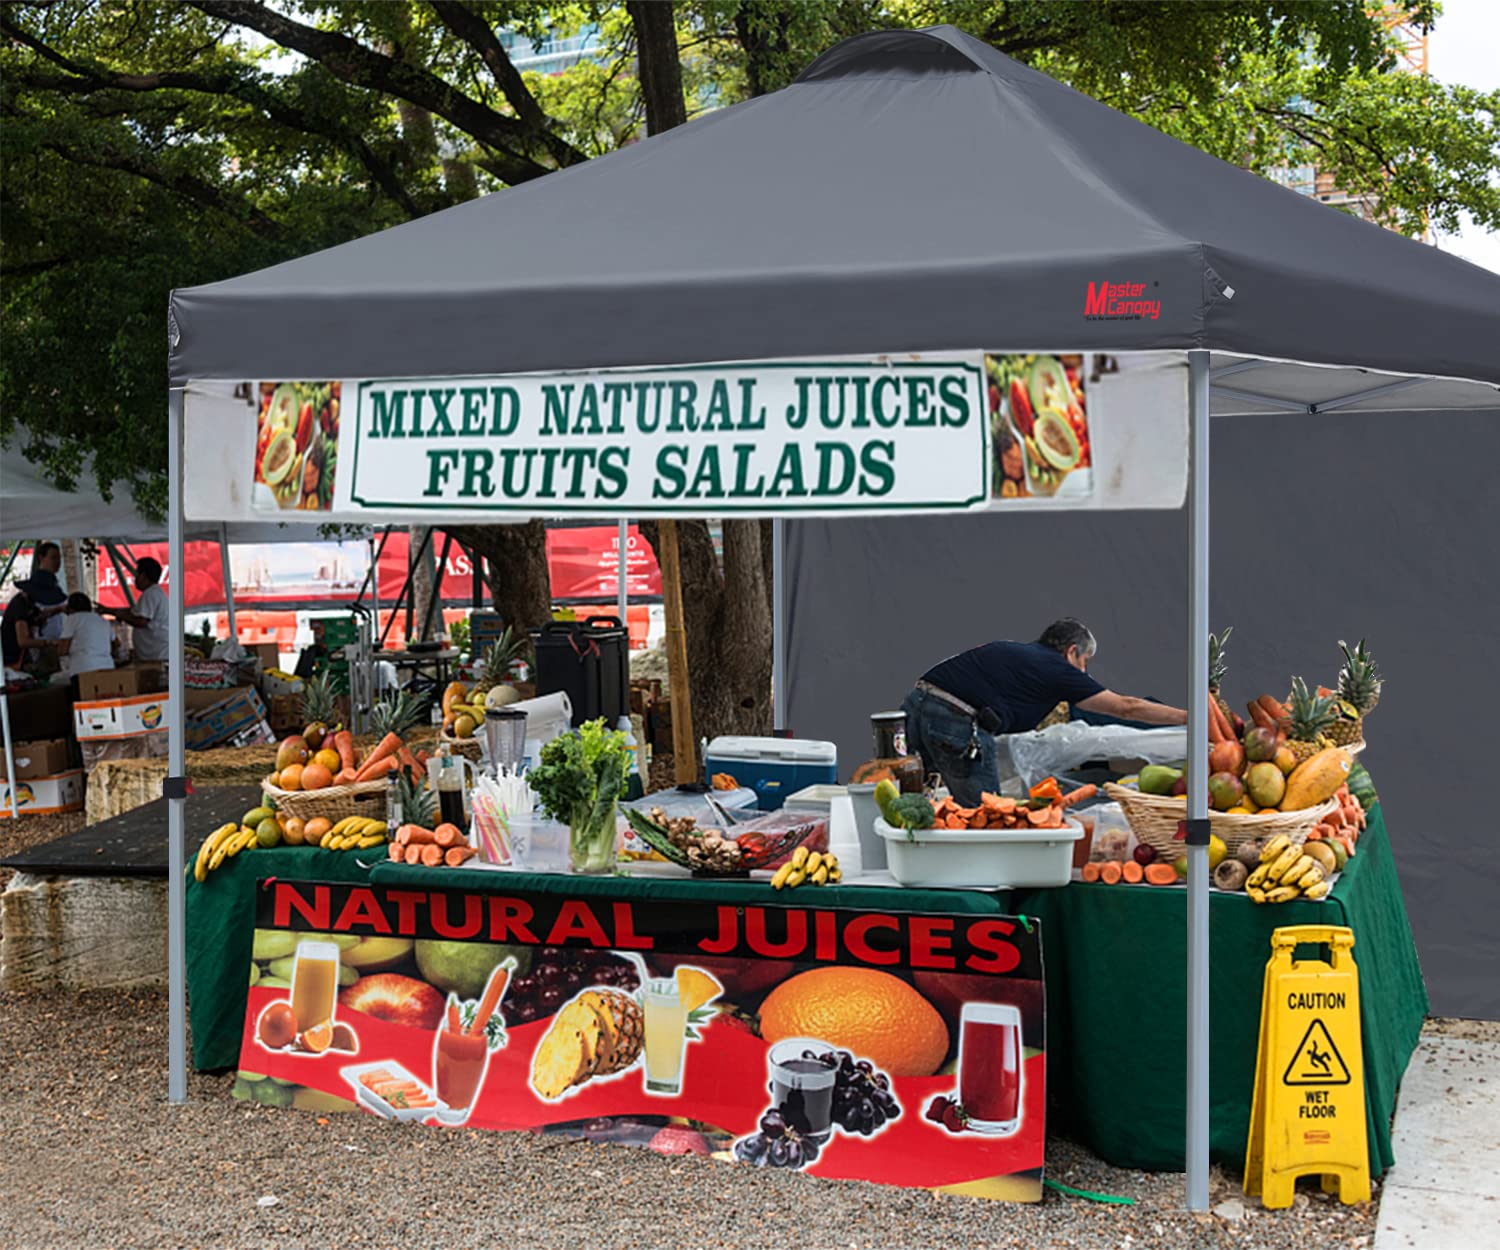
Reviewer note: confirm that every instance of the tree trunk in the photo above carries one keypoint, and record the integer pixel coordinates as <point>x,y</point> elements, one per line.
<point>425,583</point>
<point>657,63</point>
<point>520,585</point>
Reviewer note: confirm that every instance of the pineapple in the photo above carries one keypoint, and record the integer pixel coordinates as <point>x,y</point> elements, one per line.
<point>411,802</point>
<point>1358,693</point>
<point>1217,667</point>
<point>494,668</point>
<point>395,715</point>
<point>320,704</point>
<point>1312,715</point>
<point>626,1025</point>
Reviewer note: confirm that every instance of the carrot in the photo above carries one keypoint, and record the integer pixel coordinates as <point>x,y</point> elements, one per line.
<point>1109,872</point>
<point>457,854</point>
<point>1091,871</point>
<point>1160,874</point>
<point>387,747</point>
<point>1275,709</point>
<point>1260,716</point>
<point>377,770</point>
<point>495,987</point>
<point>415,835</point>
<point>408,760</point>
<point>344,777</point>
<point>447,835</point>
<point>1216,731</point>
<point>343,743</point>
<point>397,852</point>
<point>432,856</point>
<point>1077,796</point>
<point>1132,873</point>
<point>453,1022</point>
<point>1216,713</point>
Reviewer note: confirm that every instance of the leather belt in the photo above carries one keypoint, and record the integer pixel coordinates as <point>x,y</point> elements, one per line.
<point>937,692</point>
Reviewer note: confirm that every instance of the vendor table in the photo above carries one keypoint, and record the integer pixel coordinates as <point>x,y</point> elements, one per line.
<point>1116,1002</point>
<point>432,664</point>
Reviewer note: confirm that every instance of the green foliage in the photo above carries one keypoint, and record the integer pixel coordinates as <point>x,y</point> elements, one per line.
<point>581,774</point>
<point>147,146</point>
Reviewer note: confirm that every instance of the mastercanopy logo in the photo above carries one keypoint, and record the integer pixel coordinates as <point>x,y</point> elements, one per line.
<point>1121,301</point>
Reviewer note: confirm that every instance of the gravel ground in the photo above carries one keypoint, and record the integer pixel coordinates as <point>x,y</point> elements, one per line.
<point>29,831</point>
<point>91,1155</point>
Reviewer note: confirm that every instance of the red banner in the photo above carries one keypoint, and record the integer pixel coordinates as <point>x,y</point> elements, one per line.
<point>892,1047</point>
<point>584,563</point>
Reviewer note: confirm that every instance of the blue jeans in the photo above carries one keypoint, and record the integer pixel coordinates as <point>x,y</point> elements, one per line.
<point>950,743</point>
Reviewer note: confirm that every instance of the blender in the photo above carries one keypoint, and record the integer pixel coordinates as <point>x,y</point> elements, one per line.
<point>504,740</point>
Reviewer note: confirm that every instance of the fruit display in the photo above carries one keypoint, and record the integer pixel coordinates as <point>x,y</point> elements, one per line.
<point>263,829</point>
<point>758,843</point>
<point>464,706</point>
<point>296,448</point>
<point>1043,808</point>
<point>1285,872</point>
<point>808,868</point>
<point>1358,692</point>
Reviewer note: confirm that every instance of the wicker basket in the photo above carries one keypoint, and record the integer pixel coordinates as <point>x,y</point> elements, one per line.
<point>363,798</point>
<point>1154,820</point>
<point>469,748</point>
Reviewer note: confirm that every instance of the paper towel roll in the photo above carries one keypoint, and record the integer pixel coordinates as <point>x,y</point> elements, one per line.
<point>545,709</point>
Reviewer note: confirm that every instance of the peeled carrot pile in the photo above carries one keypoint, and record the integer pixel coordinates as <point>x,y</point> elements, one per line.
<point>997,811</point>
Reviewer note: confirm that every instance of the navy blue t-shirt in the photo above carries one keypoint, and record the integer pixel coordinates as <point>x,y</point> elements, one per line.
<point>1020,681</point>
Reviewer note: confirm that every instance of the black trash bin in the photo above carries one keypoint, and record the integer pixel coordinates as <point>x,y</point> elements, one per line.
<point>589,661</point>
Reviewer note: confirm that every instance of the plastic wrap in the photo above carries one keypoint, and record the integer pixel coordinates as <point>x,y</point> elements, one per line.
<point>1050,751</point>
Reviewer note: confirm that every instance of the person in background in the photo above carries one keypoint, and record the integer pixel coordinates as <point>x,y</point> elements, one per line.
<point>20,629</point>
<point>87,640</point>
<point>45,590</point>
<point>954,712</point>
<point>148,619</point>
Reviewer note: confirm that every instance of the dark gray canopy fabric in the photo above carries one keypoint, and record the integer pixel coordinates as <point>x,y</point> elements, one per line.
<point>912,190</point>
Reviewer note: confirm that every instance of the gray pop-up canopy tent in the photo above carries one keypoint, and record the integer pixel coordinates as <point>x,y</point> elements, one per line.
<point>910,191</point>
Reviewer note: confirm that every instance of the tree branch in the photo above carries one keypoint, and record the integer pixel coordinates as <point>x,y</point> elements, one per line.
<point>467,25</point>
<point>353,63</point>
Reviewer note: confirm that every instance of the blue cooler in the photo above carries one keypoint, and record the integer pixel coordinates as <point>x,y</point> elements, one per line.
<point>773,767</point>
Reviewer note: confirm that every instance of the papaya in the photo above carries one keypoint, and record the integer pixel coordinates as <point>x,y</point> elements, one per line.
<point>1317,779</point>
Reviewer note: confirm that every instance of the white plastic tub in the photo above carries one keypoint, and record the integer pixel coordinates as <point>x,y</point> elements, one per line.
<point>981,859</point>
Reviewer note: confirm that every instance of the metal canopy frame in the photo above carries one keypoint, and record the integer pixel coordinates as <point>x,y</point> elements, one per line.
<point>1393,384</point>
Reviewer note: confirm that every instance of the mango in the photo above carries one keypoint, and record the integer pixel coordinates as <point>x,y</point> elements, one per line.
<point>1159,779</point>
<point>1265,783</point>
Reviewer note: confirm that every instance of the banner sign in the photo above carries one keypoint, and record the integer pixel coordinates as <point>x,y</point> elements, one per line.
<point>906,434</point>
<point>901,1048</point>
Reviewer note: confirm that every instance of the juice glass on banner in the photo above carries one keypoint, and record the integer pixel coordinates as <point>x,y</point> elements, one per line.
<point>989,1067</point>
<point>802,1087</point>
<point>459,1062</point>
<point>666,1036</point>
<point>315,983</point>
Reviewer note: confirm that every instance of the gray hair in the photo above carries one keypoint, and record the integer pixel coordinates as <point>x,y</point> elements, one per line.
<point>1066,634</point>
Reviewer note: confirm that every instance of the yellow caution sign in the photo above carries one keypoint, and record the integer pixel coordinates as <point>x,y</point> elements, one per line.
<point>1308,1112</point>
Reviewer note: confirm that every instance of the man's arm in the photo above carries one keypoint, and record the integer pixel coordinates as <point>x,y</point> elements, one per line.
<point>1128,707</point>
<point>126,615</point>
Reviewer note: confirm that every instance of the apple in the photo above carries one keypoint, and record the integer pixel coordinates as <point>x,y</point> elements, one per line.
<point>464,968</point>
<point>1144,853</point>
<point>392,997</point>
<point>674,1140</point>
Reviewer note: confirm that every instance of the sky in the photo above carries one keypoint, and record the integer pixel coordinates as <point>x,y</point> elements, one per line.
<point>1464,48</point>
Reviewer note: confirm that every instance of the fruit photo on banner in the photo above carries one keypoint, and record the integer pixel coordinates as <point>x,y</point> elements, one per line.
<point>933,1079</point>
<point>296,446</point>
<point>1039,427</point>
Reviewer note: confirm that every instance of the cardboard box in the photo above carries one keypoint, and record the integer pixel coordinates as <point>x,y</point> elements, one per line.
<point>286,714</point>
<point>269,654</point>
<point>239,713</point>
<point>121,683</point>
<point>38,759</point>
<point>43,796</point>
<point>100,719</point>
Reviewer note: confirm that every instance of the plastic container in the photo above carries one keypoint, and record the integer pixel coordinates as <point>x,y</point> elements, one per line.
<point>589,661</point>
<point>871,845</point>
<point>981,859</point>
<point>690,801</point>
<point>843,834</point>
<point>540,844</point>
<point>773,767</point>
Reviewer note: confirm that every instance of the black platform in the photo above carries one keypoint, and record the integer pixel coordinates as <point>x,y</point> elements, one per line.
<point>134,843</point>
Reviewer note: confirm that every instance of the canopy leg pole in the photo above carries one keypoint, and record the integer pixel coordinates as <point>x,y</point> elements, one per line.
<point>11,802</point>
<point>778,625</point>
<point>622,593</point>
<point>176,789</point>
<point>684,749</point>
<point>234,629</point>
<point>1197,795</point>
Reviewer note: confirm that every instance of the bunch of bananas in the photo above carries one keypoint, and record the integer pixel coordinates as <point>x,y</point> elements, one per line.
<point>354,833</point>
<point>1285,873</point>
<point>223,843</point>
<point>808,867</point>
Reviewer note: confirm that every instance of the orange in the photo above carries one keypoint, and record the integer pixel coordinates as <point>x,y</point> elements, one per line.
<point>315,777</point>
<point>293,831</point>
<point>875,1015</point>
<point>695,987</point>
<point>318,1038</point>
<point>316,828</point>
<point>329,759</point>
<point>291,777</point>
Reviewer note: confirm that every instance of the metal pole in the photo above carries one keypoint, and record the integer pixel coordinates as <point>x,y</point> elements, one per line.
<point>9,561</point>
<point>176,788</point>
<point>234,629</point>
<point>114,559</point>
<point>10,759</point>
<point>778,627</point>
<point>1197,795</point>
<point>622,591</point>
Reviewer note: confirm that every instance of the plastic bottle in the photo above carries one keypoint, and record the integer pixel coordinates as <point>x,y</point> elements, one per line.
<point>633,787</point>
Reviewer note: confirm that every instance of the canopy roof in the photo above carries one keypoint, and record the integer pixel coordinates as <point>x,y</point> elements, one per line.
<point>912,190</point>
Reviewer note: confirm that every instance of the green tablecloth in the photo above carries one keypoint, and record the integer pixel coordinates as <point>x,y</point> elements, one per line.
<point>1116,959</point>
<point>221,931</point>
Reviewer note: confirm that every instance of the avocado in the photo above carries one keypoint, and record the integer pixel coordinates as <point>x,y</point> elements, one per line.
<point>1159,779</point>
